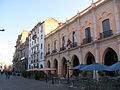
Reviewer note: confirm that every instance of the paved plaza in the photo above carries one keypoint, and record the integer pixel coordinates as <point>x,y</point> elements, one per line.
<point>20,83</point>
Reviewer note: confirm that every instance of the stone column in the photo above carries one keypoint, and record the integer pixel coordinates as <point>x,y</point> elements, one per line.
<point>116,16</point>
<point>67,27</point>
<point>118,42</point>
<point>58,44</point>
<point>96,53</point>
<point>59,66</point>
<point>94,24</point>
<point>80,56</point>
<point>79,36</point>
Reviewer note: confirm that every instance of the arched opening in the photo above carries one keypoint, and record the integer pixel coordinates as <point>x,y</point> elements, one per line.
<point>90,58</point>
<point>41,66</point>
<point>63,41</point>
<point>48,64</point>
<point>74,37</point>
<point>56,66</point>
<point>64,68</point>
<point>75,63</point>
<point>110,58</point>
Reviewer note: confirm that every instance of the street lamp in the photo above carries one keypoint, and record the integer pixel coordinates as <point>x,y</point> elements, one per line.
<point>68,64</point>
<point>2,30</point>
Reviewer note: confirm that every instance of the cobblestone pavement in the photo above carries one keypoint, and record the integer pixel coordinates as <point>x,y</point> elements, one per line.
<point>20,83</point>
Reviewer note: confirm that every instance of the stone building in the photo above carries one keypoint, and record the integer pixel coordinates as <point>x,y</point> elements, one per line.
<point>20,58</point>
<point>92,35</point>
<point>36,42</point>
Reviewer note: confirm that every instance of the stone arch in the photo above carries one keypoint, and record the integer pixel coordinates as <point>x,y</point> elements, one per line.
<point>110,57</point>
<point>48,64</point>
<point>41,66</point>
<point>110,51</point>
<point>75,62</point>
<point>64,66</point>
<point>55,63</point>
<point>89,58</point>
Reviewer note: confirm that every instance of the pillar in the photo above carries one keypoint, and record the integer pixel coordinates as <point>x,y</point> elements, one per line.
<point>116,16</point>
<point>94,24</point>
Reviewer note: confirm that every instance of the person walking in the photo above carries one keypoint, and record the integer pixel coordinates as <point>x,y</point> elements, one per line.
<point>6,73</point>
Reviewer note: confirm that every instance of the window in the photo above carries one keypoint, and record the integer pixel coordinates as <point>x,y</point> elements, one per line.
<point>88,35</point>
<point>41,36</point>
<point>106,25</point>
<point>38,39</point>
<point>41,28</point>
<point>63,41</point>
<point>48,47</point>
<point>38,31</point>
<point>106,28</point>
<point>55,45</point>
<point>37,48</point>
<point>41,46</point>
<point>74,37</point>
<point>41,55</point>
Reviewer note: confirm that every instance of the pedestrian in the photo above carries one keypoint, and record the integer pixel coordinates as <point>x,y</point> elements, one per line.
<point>46,77</point>
<point>6,73</point>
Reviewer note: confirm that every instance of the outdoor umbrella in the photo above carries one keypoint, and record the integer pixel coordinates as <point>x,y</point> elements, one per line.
<point>113,67</point>
<point>94,66</point>
<point>78,67</point>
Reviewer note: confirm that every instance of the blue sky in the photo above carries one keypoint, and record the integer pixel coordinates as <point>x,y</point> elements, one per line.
<point>16,15</point>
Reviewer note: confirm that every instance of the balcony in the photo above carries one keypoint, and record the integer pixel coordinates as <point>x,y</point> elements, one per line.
<point>54,51</point>
<point>87,40</point>
<point>106,34</point>
<point>48,53</point>
<point>73,45</point>
<point>62,48</point>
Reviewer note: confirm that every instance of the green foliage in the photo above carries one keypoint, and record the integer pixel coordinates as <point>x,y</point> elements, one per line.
<point>24,74</point>
<point>115,75</point>
<point>101,73</point>
<point>84,74</point>
<point>38,75</point>
<point>29,74</point>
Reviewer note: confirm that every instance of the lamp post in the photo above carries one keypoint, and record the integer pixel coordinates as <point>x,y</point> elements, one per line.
<point>2,29</point>
<point>68,64</point>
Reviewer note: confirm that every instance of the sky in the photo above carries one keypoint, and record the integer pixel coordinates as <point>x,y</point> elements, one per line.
<point>18,15</point>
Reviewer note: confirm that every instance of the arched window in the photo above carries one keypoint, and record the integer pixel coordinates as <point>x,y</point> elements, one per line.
<point>63,41</point>
<point>106,28</point>
<point>48,47</point>
<point>55,46</point>
<point>74,37</point>
<point>106,25</point>
<point>87,35</point>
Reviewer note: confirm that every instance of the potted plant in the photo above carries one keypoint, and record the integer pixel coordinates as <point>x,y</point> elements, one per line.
<point>24,74</point>
<point>40,75</point>
<point>28,74</point>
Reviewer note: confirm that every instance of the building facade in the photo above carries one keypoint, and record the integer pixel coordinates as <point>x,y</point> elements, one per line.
<point>20,58</point>
<point>92,35</point>
<point>36,42</point>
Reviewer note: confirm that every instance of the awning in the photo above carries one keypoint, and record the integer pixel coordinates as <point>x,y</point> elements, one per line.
<point>47,69</point>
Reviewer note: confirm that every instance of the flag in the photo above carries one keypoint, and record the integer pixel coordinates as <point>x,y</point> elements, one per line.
<point>68,42</point>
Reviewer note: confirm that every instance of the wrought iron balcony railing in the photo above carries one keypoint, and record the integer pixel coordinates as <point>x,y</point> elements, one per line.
<point>62,48</point>
<point>54,51</point>
<point>73,45</point>
<point>87,40</point>
<point>106,34</point>
<point>48,53</point>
